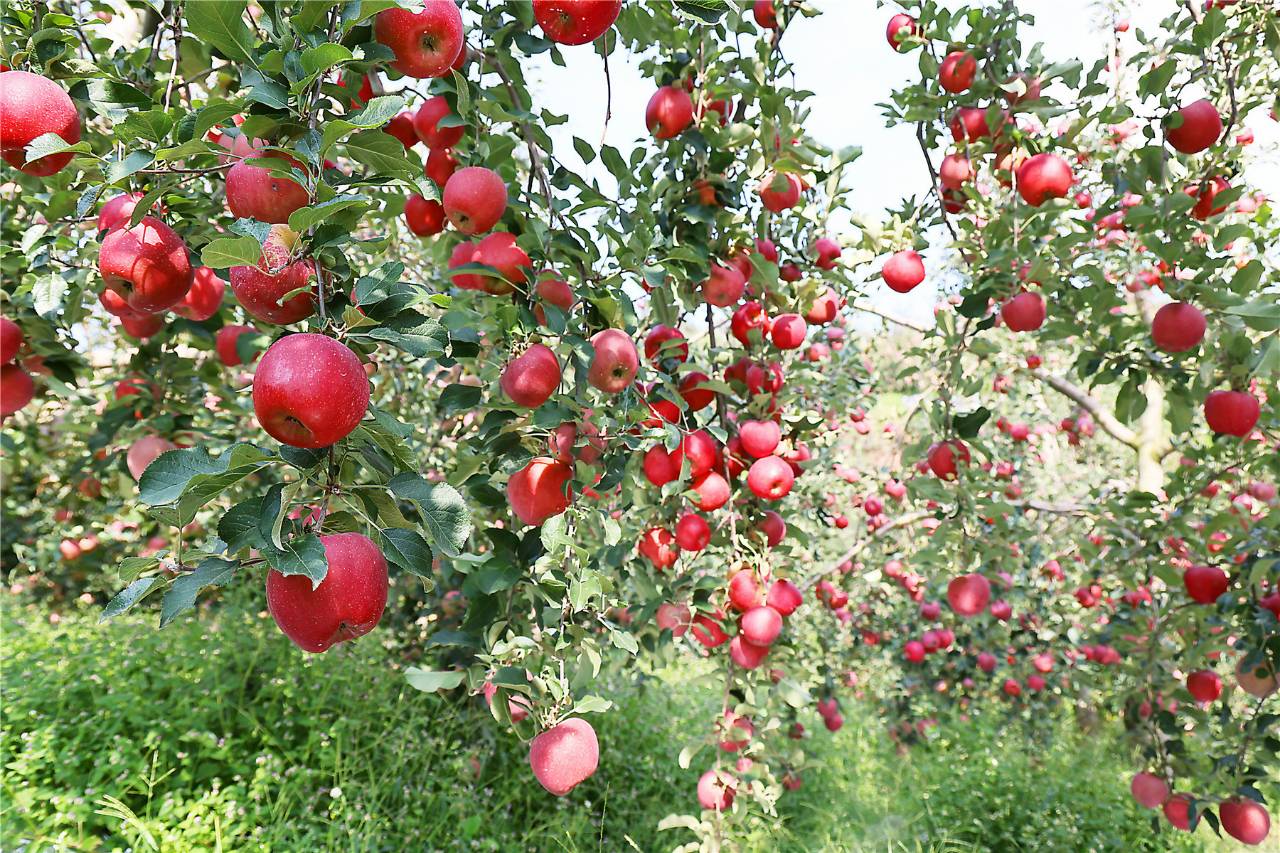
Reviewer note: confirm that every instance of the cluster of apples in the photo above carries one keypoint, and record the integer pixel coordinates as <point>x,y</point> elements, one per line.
<point>1244,819</point>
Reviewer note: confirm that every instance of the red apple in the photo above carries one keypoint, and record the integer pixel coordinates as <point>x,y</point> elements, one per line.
<point>1148,790</point>
<point>1205,583</point>
<point>347,604</point>
<point>254,193</point>
<point>441,165</point>
<point>692,391</point>
<point>659,547</point>
<point>1245,820</point>
<point>1206,194</point>
<point>779,191</point>
<point>147,265</point>
<point>142,326</point>
<point>499,250</point>
<point>31,106</point>
<point>788,331</point>
<point>1044,176</point>
<point>401,127</point>
<point>945,458</point>
<point>426,124</point>
<point>425,43</point>
<point>746,654</point>
<point>1177,809</point>
<point>692,532</point>
<point>957,71</point>
<point>760,626</point>
<point>555,292</point>
<point>784,597</point>
<point>532,377</point>
<point>16,388</point>
<point>899,32</point>
<point>744,591</point>
<point>903,271</point>
<point>724,287</point>
<point>475,199</point>
<point>766,16</point>
<point>1178,327</point>
<point>614,365</point>
<point>674,618</point>
<point>770,478</point>
<point>749,324</point>
<point>225,344</point>
<point>759,438</point>
<point>204,298</point>
<point>1200,126</point>
<point>665,342</point>
<point>1205,685</point>
<point>716,790</point>
<point>1024,312</point>
<point>10,340</point>
<point>424,217</point>
<point>144,451</point>
<point>711,491</point>
<point>260,293</point>
<point>1231,412</point>
<point>955,171</point>
<point>575,21</point>
<point>117,211</point>
<point>669,112</point>
<point>309,391</point>
<point>969,594</point>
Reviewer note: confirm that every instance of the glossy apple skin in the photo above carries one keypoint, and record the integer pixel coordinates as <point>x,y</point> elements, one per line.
<point>903,271</point>
<point>425,122</point>
<point>969,594</point>
<point>475,199</point>
<point>309,391</point>
<point>770,478</point>
<point>147,265</point>
<point>725,286</point>
<point>260,292</point>
<point>225,344</point>
<point>425,217</point>
<point>10,340</point>
<point>31,106</point>
<point>347,604</point>
<point>1043,177</point>
<point>538,490</point>
<point>426,43</point>
<point>575,22</point>
<point>1024,312</point>
<point>117,211</point>
<point>532,377</point>
<point>401,127</point>
<point>1244,820</point>
<point>204,298</point>
<point>564,756</point>
<point>615,363</point>
<point>788,331</point>
<point>142,326</point>
<point>16,389</point>
<point>716,790</point>
<point>440,166</point>
<point>1231,412</point>
<point>1178,327</point>
<point>669,112</point>
<point>254,193</point>
<point>1201,126</point>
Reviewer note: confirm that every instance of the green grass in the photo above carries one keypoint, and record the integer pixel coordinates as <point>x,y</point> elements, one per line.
<point>217,734</point>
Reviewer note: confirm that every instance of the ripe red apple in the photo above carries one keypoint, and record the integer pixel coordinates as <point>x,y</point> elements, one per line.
<point>659,547</point>
<point>692,390</point>
<point>1024,312</point>
<point>914,651</point>
<point>744,591</point>
<point>1205,685</point>
<point>1200,127</point>
<point>565,755</point>
<point>779,191</point>
<point>1231,412</point>
<point>144,451</point>
<point>1148,790</point>
<point>657,348</point>
<point>669,112</point>
<point>555,292</point>
<point>955,171</point>
<point>614,365</point>
<point>749,324</point>
<point>475,199</point>
<point>426,124</point>
<point>759,438</point>
<point>309,391</point>
<point>1245,820</point>
<point>1030,88</point>
<point>225,344</point>
<point>944,458</point>
<point>1205,583</point>
<point>764,13</point>
<point>424,217</point>
<point>425,43</point>
<point>788,331</point>
<point>142,326</point>
<point>970,123</point>
<point>204,298</point>
<point>347,604</point>
<point>1044,176</point>
<point>499,250</point>
<point>969,594</point>
<point>899,32</point>
<point>903,271</point>
<point>260,293</point>
<point>724,287</point>
<point>1177,810</point>
<point>708,631</point>
<point>784,597</point>
<point>10,340</point>
<point>532,377</point>
<point>254,193</point>
<point>692,532</point>
<point>957,71</point>
<point>661,467</point>
<point>540,490</point>
<point>760,626</point>
<point>987,662</point>
<point>147,265</point>
<point>31,106</point>
<point>117,211</point>
<point>674,617</point>
<point>711,491</point>
<point>1206,194</point>
<point>770,478</point>
<point>826,252</point>
<point>401,127</point>
<point>716,790</point>
<point>746,654</point>
<point>16,389</point>
<point>575,21</point>
<point>440,165</point>
<point>1178,327</point>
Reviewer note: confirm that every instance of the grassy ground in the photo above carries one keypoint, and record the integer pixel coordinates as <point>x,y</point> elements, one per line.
<point>216,734</point>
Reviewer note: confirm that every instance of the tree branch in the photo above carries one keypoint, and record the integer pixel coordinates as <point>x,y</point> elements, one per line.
<point>1090,404</point>
<point>866,308</point>
<point>900,521</point>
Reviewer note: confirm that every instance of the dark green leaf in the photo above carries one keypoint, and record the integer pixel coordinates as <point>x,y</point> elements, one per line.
<point>443,509</point>
<point>181,596</point>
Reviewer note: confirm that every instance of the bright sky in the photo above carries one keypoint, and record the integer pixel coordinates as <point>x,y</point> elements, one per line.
<point>843,58</point>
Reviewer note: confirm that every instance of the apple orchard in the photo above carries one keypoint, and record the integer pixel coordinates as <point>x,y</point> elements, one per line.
<point>303,295</point>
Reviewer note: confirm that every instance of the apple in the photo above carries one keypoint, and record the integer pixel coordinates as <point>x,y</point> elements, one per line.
<point>708,631</point>
<point>540,490</point>
<point>401,127</point>
<point>749,324</point>
<point>903,271</point>
<point>1205,685</point>
<point>1205,583</point>
<point>725,286</point>
<point>711,491</point>
<point>833,722</point>
<point>692,532</point>
<point>1231,412</point>
<point>914,651</point>
<point>142,326</point>
<point>971,123</point>
<point>517,706</point>
<point>1178,327</point>
<point>661,467</point>
<point>575,21</point>
<point>1024,312</point>
<point>309,391</point>
<point>10,340</point>
<point>659,547</point>
<point>1177,810</point>
<point>955,171</point>
<point>987,662</point>
<point>475,199</point>
<point>760,626</point>
<point>16,389</point>
<point>31,106</point>
<point>614,365</point>
<point>669,112</point>
<point>674,617</point>
<point>944,458</point>
<point>254,193</point>
<point>716,790</point>
<point>746,654</point>
<point>565,755</point>
<point>260,293</point>
<point>441,165</point>
<point>1199,126</point>
<point>144,451</point>
<point>425,217</point>
<point>553,291</point>
<point>147,265</point>
<point>1021,87</point>
<point>789,272</point>
<point>225,344</point>
<point>779,191</point>
<point>204,298</point>
<point>692,390</point>
<point>1205,194</point>
<point>770,478</point>
<point>117,211</point>
<point>347,604</point>
<point>788,331</point>
<point>759,438</point>
<point>969,594</point>
<point>532,377</point>
<point>1245,820</point>
<point>1044,176</point>
<point>784,597</point>
<point>764,13</point>
<point>900,31</point>
<point>426,124</point>
<point>665,342</point>
<point>744,591</point>
<point>1148,790</point>
<point>425,43</point>
<point>957,71</point>
<point>499,250</point>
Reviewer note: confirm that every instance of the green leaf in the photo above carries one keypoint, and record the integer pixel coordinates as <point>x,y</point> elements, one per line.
<point>457,398</point>
<point>311,13</point>
<point>379,285</point>
<point>181,596</point>
<point>111,98</point>
<point>377,112</point>
<point>213,115</point>
<point>153,125</point>
<point>429,681</point>
<point>319,59</point>
<point>264,90</point>
<point>408,550</point>
<point>381,152</point>
<point>967,426</point>
<point>189,479</point>
<point>591,705</point>
<point>132,162</point>
<point>302,555</point>
<point>584,149</point>
<point>128,597</point>
<point>418,335</point>
<point>220,24</point>
<point>707,11</point>
<point>51,143</point>
<point>48,294</point>
<point>305,218</point>
<point>443,509</point>
<point>238,526</point>
<point>131,568</point>
<point>231,252</point>
<point>1263,315</point>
